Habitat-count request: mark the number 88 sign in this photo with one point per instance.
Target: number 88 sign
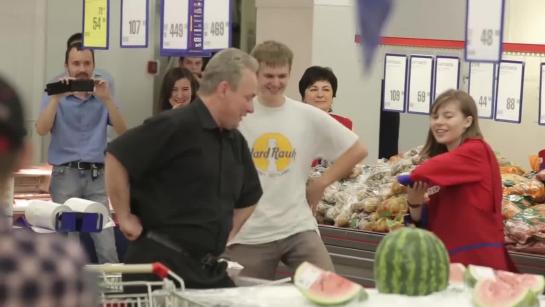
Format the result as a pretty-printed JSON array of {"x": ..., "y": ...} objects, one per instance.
[{"x": 509, "y": 95}]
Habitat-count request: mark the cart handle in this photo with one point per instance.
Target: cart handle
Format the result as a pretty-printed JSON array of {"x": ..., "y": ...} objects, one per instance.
[{"x": 157, "y": 268}]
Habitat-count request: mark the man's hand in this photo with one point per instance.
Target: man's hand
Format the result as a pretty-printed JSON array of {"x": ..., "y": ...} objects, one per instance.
[
  {"x": 102, "y": 90},
  {"x": 315, "y": 191},
  {"x": 130, "y": 226}
]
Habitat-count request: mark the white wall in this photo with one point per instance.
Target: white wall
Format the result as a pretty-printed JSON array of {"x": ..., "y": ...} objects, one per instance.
[{"x": 22, "y": 29}]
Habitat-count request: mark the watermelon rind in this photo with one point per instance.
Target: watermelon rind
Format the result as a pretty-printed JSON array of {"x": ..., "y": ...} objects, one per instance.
[
  {"x": 525, "y": 299},
  {"x": 538, "y": 285},
  {"x": 474, "y": 273},
  {"x": 411, "y": 261},
  {"x": 307, "y": 274}
]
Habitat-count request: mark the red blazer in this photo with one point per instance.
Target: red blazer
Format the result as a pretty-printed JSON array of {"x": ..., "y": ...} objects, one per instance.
[
  {"x": 465, "y": 204},
  {"x": 345, "y": 121}
]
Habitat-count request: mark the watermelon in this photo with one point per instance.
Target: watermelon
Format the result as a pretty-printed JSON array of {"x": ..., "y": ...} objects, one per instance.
[
  {"x": 493, "y": 292},
  {"x": 326, "y": 288},
  {"x": 456, "y": 274},
  {"x": 411, "y": 261},
  {"x": 474, "y": 273},
  {"x": 533, "y": 282}
]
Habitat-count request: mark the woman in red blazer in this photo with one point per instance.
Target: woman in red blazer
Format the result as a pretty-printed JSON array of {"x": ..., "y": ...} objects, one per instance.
[
  {"x": 318, "y": 87},
  {"x": 458, "y": 188}
]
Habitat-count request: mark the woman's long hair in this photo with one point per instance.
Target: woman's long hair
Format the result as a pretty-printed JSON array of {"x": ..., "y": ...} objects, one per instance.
[{"x": 467, "y": 107}]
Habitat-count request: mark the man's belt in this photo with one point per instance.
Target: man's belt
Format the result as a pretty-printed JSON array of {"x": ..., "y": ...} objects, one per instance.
[{"x": 83, "y": 165}]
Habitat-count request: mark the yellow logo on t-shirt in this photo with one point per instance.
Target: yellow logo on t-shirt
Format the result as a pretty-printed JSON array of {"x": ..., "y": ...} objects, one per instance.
[{"x": 272, "y": 154}]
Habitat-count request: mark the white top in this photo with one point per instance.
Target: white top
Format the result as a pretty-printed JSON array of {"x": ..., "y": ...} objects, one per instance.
[{"x": 284, "y": 141}]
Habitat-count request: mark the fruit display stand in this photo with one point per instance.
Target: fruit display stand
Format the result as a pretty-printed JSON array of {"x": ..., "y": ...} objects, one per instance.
[{"x": 353, "y": 254}]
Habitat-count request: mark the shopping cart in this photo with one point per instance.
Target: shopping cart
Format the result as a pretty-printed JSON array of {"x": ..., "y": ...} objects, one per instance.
[{"x": 114, "y": 292}]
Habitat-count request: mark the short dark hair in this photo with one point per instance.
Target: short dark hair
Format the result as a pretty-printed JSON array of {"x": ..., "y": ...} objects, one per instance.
[
  {"x": 12, "y": 129},
  {"x": 314, "y": 74},
  {"x": 170, "y": 78},
  {"x": 79, "y": 47},
  {"x": 74, "y": 38}
]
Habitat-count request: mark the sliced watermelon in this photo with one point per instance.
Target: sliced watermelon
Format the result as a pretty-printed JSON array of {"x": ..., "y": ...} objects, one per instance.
[
  {"x": 533, "y": 282},
  {"x": 474, "y": 273},
  {"x": 456, "y": 274},
  {"x": 496, "y": 293},
  {"x": 326, "y": 288}
]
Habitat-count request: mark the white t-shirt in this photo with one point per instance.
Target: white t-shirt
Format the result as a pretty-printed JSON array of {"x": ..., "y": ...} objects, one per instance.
[{"x": 283, "y": 142}]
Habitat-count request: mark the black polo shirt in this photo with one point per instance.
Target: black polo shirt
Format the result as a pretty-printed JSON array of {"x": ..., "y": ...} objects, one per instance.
[{"x": 186, "y": 176}]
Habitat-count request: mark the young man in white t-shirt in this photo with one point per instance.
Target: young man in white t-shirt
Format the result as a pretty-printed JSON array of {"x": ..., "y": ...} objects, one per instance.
[{"x": 285, "y": 136}]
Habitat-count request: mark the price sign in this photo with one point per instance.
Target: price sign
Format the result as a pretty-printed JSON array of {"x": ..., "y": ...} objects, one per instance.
[
  {"x": 420, "y": 78},
  {"x": 447, "y": 74},
  {"x": 96, "y": 15},
  {"x": 509, "y": 98},
  {"x": 134, "y": 23},
  {"x": 196, "y": 25},
  {"x": 174, "y": 20},
  {"x": 484, "y": 26},
  {"x": 481, "y": 87},
  {"x": 395, "y": 72},
  {"x": 217, "y": 24},
  {"x": 541, "y": 120}
]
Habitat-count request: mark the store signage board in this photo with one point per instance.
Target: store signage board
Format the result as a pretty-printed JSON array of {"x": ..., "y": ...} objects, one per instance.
[
  {"x": 509, "y": 97},
  {"x": 541, "y": 120},
  {"x": 134, "y": 23},
  {"x": 420, "y": 84},
  {"x": 484, "y": 30},
  {"x": 174, "y": 21},
  {"x": 447, "y": 74},
  {"x": 481, "y": 87},
  {"x": 217, "y": 24},
  {"x": 96, "y": 16},
  {"x": 395, "y": 74}
]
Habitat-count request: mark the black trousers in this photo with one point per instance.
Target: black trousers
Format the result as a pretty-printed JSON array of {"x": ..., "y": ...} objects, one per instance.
[{"x": 194, "y": 272}]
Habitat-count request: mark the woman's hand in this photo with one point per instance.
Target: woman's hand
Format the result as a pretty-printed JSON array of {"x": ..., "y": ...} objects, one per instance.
[
  {"x": 541, "y": 175},
  {"x": 416, "y": 195}
]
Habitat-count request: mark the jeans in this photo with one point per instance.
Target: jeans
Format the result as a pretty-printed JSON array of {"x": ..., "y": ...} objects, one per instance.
[{"x": 67, "y": 182}]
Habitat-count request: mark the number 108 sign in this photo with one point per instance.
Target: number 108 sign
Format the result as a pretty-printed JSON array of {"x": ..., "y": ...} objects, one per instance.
[
  {"x": 395, "y": 72},
  {"x": 509, "y": 97}
]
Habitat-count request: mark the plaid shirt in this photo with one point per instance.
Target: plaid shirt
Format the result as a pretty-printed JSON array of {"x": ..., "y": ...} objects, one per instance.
[{"x": 41, "y": 270}]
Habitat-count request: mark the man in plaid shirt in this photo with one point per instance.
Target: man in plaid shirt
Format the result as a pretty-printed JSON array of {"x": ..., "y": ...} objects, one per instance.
[{"x": 34, "y": 270}]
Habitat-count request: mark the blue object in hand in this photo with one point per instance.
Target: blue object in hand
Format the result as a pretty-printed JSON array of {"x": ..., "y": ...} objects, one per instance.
[{"x": 405, "y": 180}]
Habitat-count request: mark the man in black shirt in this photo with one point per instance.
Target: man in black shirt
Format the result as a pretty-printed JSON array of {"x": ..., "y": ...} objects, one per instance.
[{"x": 184, "y": 181}]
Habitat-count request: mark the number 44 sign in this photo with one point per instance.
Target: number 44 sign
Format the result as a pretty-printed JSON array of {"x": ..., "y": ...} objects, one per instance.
[{"x": 509, "y": 97}]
